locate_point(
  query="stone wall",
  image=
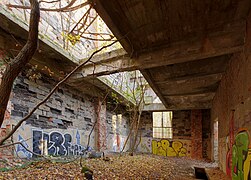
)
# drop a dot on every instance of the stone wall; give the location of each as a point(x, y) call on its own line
point(63, 123)
point(117, 131)
point(232, 108)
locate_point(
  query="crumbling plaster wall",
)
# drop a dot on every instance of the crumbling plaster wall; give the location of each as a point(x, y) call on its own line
point(232, 108)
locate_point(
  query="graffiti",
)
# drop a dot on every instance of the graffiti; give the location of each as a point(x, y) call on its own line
point(230, 142)
point(241, 157)
point(146, 145)
point(117, 143)
point(168, 148)
point(228, 157)
point(57, 143)
point(21, 149)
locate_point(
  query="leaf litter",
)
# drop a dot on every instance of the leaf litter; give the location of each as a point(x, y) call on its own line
point(142, 166)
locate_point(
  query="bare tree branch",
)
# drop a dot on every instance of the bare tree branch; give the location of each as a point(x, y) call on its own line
point(49, 2)
point(79, 22)
point(96, 39)
point(24, 56)
point(67, 8)
point(52, 91)
point(15, 143)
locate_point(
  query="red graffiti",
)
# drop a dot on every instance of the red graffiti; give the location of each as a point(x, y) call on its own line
point(118, 141)
point(230, 145)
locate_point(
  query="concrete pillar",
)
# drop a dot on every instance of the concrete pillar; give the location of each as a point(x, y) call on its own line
point(101, 133)
point(196, 134)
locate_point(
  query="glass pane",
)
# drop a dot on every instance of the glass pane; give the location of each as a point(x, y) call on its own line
point(167, 119)
point(157, 132)
point(157, 119)
point(167, 133)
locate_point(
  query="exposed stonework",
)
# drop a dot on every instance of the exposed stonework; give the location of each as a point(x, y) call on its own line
point(63, 123)
point(66, 107)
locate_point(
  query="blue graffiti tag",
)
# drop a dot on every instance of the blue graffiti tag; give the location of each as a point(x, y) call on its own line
point(22, 149)
point(57, 144)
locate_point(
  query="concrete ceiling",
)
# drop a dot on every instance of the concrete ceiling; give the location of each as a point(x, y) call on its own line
point(181, 47)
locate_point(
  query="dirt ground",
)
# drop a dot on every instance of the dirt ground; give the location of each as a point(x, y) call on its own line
point(125, 167)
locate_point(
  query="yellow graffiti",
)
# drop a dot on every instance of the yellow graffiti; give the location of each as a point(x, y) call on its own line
point(247, 166)
point(165, 147)
point(154, 147)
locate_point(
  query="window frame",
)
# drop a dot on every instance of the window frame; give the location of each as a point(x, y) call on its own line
point(169, 128)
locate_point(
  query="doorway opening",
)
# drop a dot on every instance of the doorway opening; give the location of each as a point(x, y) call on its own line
point(215, 141)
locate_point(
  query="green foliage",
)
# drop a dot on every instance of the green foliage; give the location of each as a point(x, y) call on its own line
point(85, 169)
point(74, 39)
point(115, 97)
point(25, 165)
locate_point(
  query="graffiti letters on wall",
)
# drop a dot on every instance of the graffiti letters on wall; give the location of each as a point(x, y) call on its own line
point(51, 143)
point(168, 148)
point(57, 143)
point(21, 149)
point(241, 157)
point(145, 145)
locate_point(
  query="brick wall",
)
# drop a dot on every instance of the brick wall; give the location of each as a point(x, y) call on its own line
point(232, 107)
point(196, 133)
point(181, 124)
point(187, 133)
point(206, 134)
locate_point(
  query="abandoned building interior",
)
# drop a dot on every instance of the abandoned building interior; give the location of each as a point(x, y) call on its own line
point(173, 80)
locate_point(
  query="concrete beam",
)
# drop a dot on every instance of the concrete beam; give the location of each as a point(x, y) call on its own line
point(154, 107)
point(193, 85)
point(215, 44)
point(192, 69)
point(155, 88)
point(197, 101)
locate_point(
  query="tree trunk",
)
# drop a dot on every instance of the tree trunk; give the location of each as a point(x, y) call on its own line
point(24, 56)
